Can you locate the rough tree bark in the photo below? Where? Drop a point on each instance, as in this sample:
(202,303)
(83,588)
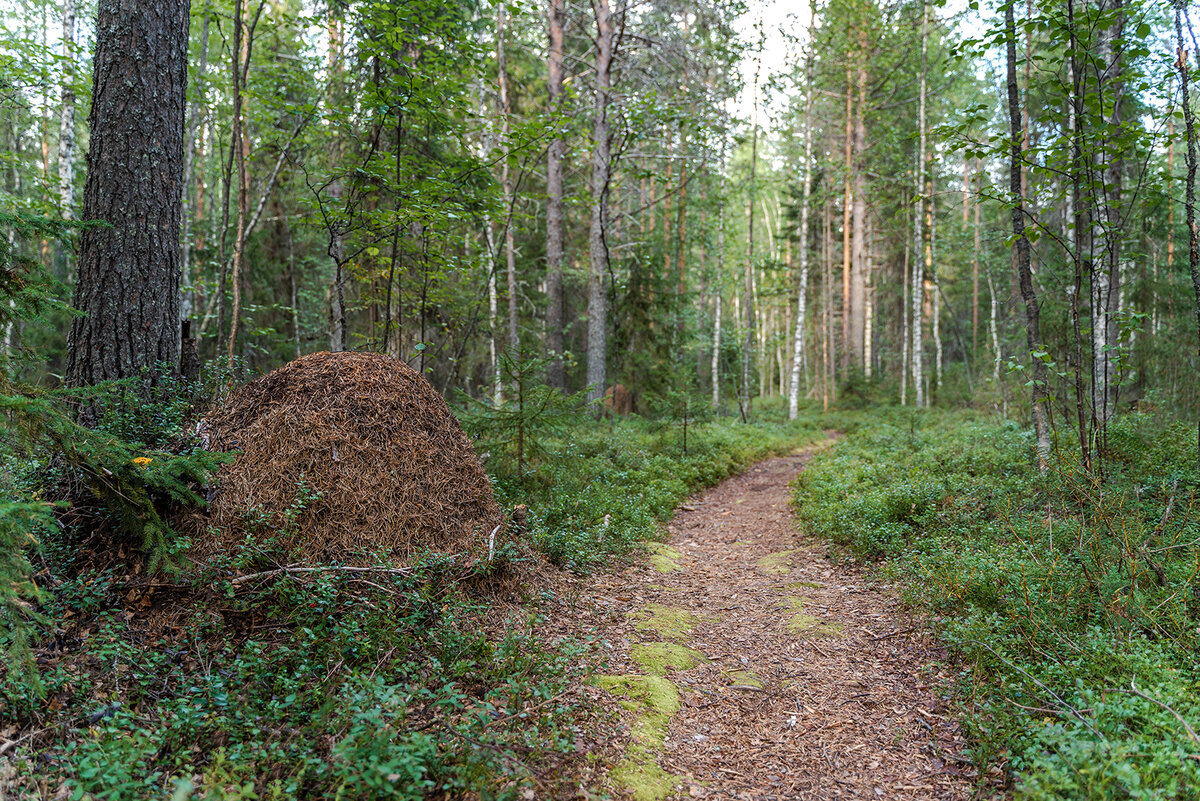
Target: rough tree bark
(128,271)
(555,375)
(597,330)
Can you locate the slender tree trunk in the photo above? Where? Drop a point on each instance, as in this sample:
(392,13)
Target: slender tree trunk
(337,245)
(128,271)
(905,335)
(510,252)
(597,330)
(1041,417)
(1075,219)
(858,269)
(994,327)
(974,264)
(241,56)
(555,375)
(493,314)
(932,272)
(918,278)
(1189,120)
(1106,233)
(66,118)
(802,288)
(196,110)
(847,217)
(748,350)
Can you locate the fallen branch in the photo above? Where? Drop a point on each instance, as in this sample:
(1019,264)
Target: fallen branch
(1133,690)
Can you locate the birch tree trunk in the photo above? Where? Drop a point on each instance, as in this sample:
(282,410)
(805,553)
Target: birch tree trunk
(196,110)
(802,288)
(510,256)
(66,118)
(918,282)
(1106,231)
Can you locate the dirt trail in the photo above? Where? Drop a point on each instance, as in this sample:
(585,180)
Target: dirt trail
(747,665)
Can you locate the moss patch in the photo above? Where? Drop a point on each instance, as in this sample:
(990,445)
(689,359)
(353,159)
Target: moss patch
(805,585)
(652,700)
(656,658)
(669,622)
(806,625)
(777,563)
(643,778)
(745,678)
(664,558)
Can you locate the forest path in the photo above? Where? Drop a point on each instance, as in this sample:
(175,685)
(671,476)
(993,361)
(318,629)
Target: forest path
(747,665)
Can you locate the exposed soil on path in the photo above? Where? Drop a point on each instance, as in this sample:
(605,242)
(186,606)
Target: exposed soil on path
(745,664)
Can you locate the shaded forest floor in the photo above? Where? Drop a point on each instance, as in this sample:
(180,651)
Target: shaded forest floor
(743,663)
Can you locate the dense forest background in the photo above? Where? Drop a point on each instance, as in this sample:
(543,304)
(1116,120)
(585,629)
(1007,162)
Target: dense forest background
(448,182)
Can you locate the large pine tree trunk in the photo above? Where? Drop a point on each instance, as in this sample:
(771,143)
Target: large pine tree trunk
(555,375)
(858,265)
(597,329)
(128,272)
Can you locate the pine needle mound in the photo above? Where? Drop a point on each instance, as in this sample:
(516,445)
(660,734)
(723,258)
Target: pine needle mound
(392,470)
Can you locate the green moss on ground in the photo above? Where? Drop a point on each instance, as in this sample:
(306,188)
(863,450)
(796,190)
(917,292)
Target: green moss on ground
(745,678)
(778,564)
(652,700)
(656,658)
(806,625)
(664,558)
(669,622)
(643,777)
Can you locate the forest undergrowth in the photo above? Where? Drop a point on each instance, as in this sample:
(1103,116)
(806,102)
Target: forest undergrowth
(1070,603)
(408,684)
